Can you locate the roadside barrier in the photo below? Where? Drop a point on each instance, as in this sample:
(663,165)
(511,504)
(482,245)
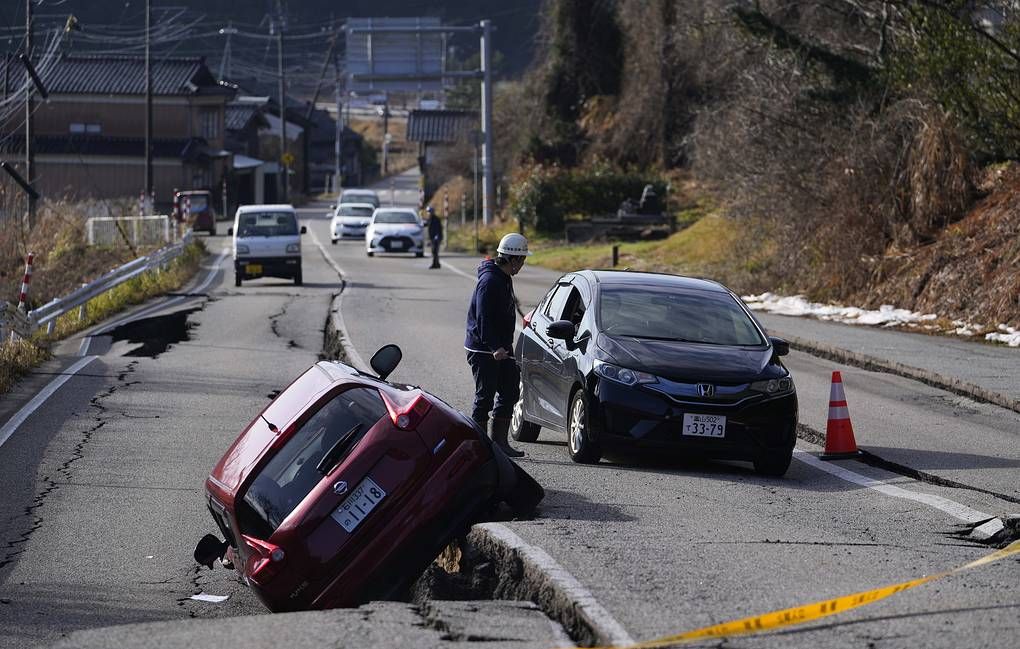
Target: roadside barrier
(14,326)
(817,610)
(839,432)
(23,295)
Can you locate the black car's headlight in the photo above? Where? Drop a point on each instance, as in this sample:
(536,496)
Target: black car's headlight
(774,387)
(622,374)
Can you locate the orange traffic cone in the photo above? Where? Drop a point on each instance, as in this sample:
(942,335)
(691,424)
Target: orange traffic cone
(839,432)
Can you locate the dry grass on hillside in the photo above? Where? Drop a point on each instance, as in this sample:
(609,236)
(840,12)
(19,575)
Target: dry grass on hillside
(63,260)
(971,271)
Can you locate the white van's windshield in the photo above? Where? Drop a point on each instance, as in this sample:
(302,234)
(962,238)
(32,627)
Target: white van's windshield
(267,224)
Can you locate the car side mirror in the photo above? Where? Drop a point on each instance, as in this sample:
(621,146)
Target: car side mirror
(386,360)
(561,330)
(781,347)
(230,232)
(304,230)
(332,207)
(209,549)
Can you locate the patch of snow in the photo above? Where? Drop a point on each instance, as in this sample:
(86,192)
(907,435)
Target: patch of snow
(796,305)
(885,316)
(1005,334)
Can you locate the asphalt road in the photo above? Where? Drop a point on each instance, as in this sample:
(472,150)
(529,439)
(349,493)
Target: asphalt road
(102,485)
(668,548)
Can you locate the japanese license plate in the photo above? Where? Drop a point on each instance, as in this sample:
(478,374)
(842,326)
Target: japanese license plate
(704,425)
(356,506)
(253,269)
(397,245)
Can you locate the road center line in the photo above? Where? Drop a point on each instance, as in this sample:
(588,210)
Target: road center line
(39,399)
(951,507)
(345,338)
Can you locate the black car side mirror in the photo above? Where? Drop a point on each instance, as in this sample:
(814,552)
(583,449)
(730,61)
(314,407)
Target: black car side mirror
(304,230)
(386,360)
(561,330)
(230,232)
(781,347)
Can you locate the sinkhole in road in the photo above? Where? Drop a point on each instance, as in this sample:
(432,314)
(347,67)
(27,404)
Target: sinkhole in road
(155,335)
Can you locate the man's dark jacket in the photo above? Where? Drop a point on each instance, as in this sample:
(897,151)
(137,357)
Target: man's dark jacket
(435,228)
(491,320)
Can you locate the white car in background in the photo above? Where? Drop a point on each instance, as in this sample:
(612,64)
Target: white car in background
(350,220)
(359,196)
(395,229)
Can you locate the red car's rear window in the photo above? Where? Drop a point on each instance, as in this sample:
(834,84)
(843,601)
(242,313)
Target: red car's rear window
(302,462)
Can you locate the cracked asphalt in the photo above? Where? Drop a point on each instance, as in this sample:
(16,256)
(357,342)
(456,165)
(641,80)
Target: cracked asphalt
(103,491)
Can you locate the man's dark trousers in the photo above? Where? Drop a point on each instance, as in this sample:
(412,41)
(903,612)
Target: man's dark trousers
(497,386)
(436,241)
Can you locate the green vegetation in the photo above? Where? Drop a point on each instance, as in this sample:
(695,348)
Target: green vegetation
(546,197)
(17,358)
(698,250)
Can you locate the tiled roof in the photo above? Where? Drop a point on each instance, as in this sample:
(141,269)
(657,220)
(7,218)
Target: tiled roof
(440,125)
(238,115)
(125,75)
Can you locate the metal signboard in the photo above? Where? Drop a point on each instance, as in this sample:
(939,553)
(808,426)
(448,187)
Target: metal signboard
(411,58)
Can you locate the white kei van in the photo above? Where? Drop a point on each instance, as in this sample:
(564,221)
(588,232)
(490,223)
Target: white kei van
(267,243)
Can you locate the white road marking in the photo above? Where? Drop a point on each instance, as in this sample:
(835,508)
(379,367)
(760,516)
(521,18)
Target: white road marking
(951,507)
(585,601)
(345,338)
(83,348)
(138,315)
(457,270)
(39,399)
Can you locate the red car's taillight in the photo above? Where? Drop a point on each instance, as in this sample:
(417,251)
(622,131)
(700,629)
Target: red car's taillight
(526,320)
(407,415)
(264,558)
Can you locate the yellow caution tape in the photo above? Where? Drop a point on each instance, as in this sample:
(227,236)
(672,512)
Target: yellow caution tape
(809,612)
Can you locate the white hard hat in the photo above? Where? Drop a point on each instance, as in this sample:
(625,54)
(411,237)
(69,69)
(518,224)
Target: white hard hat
(513,245)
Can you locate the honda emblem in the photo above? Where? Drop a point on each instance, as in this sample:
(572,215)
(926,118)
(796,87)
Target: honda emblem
(340,488)
(706,390)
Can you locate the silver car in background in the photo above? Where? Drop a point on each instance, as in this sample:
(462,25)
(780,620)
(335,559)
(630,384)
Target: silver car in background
(359,196)
(350,220)
(395,229)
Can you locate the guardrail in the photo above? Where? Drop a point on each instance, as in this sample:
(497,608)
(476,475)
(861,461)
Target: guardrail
(15,323)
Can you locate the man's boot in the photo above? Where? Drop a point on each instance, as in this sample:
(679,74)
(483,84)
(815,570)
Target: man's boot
(499,430)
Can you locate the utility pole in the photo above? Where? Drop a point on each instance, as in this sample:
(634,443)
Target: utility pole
(148,102)
(285,167)
(338,140)
(29,125)
(227,60)
(487,193)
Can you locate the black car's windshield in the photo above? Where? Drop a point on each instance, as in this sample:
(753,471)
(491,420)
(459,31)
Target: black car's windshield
(267,224)
(395,217)
(667,313)
(302,462)
(355,210)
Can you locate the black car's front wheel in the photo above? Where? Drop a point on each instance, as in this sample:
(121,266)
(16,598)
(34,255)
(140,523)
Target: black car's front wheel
(582,449)
(773,462)
(521,429)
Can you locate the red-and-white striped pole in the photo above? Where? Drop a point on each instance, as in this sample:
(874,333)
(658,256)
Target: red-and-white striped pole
(23,297)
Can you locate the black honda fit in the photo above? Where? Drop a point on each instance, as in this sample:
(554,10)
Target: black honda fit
(620,359)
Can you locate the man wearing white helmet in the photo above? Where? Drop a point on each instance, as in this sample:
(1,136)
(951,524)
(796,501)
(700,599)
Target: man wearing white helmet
(489,341)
